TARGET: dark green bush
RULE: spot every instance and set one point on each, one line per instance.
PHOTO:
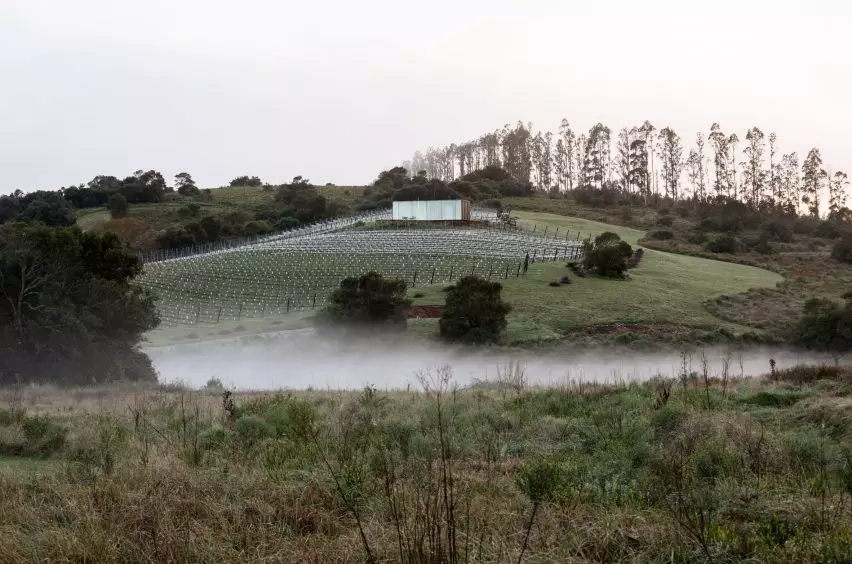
(778, 231)
(842, 250)
(474, 312)
(662, 235)
(252, 429)
(368, 300)
(44, 437)
(724, 244)
(608, 255)
(665, 221)
(825, 325)
(118, 206)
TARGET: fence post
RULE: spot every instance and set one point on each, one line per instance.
(507, 272)
(219, 315)
(314, 304)
(432, 280)
(450, 279)
(288, 304)
(545, 232)
(414, 281)
(198, 313)
(535, 252)
(240, 313)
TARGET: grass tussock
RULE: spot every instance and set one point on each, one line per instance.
(695, 468)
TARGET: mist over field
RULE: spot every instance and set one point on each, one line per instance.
(301, 359)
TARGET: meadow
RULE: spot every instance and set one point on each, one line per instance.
(693, 467)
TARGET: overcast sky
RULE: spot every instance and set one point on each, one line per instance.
(339, 90)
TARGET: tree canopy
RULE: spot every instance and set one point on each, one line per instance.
(69, 313)
(474, 312)
(369, 300)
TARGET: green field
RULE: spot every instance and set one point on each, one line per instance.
(665, 289)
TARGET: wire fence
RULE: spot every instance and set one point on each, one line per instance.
(298, 270)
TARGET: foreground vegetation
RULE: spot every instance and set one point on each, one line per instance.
(696, 468)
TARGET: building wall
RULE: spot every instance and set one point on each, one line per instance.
(432, 210)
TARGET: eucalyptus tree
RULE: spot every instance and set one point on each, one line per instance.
(837, 187)
(732, 183)
(719, 143)
(790, 185)
(813, 179)
(774, 170)
(671, 153)
(622, 159)
(647, 130)
(596, 155)
(753, 174)
(560, 165)
(569, 143)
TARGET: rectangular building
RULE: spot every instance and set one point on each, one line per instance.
(432, 210)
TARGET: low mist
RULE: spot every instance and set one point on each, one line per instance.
(301, 359)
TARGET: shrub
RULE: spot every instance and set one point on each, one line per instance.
(253, 228)
(190, 210)
(723, 244)
(252, 429)
(825, 325)
(118, 206)
(608, 255)
(214, 384)
(697, 238)
(842, 250)
(246, 181)
(662, 235)
(555, 284)
(827, 230)
(44, 437)
(778, 231)
(665, 221)
(564, 280)
(369, 300)
(474, 312)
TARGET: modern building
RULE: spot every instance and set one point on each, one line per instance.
(432, 210)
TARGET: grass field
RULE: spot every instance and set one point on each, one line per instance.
(681, 470)
(665, 289)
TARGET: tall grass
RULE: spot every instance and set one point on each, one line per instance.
(711, 469)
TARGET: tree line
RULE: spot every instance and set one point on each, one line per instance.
(651, 164)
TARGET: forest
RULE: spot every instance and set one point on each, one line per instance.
(652, 164)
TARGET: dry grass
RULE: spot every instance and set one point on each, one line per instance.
(165, 475)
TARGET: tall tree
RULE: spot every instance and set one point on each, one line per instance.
(647, 130)
(701, 188)
(719, 143)
(753, 173)
(774, 170)
(596, 158)
(671, 153)
(732, 163)
(560, 162)
(569, 141)
(622, 149)
(837, 187)
(790, 191)
(813, 177)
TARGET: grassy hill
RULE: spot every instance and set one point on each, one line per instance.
(666, 289)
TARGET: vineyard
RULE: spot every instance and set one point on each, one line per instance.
(299, 269)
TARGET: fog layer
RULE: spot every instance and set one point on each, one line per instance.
(300, 360)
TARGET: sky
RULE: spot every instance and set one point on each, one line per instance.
(336, 91)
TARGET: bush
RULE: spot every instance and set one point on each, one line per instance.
(697, 238)
(665, 221)
(190, 210)
(662, 235)
(842, 250)
(368, 300)
(827, 230)
(608, 255)
(825, 325)
(474, 312)
(555, 284)
(252, 429)
(724, 244)
(246, 181)
(778, 231)
(564, 280)
(44, 437)
(118, 206)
